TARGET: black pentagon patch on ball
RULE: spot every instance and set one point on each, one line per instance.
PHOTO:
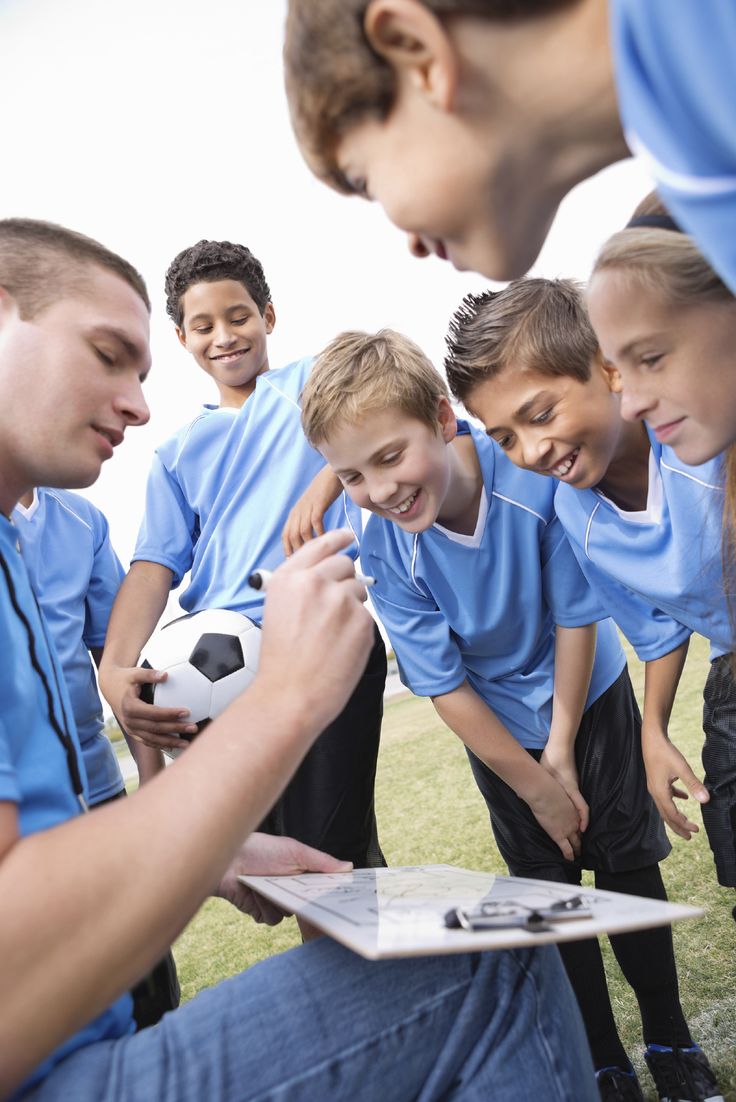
(216, 655)
(147, 688)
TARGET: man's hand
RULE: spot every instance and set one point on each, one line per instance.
(665, 765)
(269, 855)
(317, 633)
(560, 763)
(556, 814)
(305, 521)
(156, 727)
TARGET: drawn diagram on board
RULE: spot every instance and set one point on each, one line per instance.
(425, 909)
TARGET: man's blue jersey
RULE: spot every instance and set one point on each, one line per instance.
(484, 607)
(34, 767)
(674, 63)
(221, 489)
(656, 572)
(75, 575)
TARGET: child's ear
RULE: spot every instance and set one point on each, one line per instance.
(415, 43)
(269, 316)
(610, 373)
(182, 336)
(447, 420)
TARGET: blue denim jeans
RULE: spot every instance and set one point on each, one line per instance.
(319, 1023)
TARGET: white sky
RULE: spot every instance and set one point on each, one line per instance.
(149, 124)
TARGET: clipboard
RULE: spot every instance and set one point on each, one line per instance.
(401, 912)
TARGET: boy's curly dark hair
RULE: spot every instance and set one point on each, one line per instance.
(208, 262)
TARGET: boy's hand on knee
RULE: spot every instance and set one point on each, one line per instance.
(665, 765)
(561, 765)
(556, 814)
(156, 727)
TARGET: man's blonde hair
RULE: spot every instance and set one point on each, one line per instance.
(360, 373)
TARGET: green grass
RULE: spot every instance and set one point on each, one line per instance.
(429, 810)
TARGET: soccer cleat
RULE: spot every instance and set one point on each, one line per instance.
(682, 1074)
(617, 1085)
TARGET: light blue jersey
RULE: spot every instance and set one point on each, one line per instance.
(656, 572)
(75, 575)
(220, 491)
(674, 62)
(34, 765)
(484, 607)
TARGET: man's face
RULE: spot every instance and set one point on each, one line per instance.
(675, 362)
(70, 384)
(553, 425)
(394, 465)
(226, 333)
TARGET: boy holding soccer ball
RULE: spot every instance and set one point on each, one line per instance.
(220, 493)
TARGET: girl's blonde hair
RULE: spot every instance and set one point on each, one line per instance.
(664, 261)
(667, 261)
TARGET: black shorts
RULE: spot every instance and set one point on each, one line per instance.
(625, 830)
(329, 802)
(719, 762)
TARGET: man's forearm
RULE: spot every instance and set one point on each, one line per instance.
(82, 931)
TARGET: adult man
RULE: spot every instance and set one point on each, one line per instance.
(90, 902)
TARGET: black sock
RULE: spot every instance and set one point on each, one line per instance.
(647, 960)
(584, 966)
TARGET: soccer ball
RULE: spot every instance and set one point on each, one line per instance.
(210, 657)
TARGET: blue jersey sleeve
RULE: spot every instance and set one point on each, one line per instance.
(107, 574)
(429, 660)
(170, 527)
(569, 596)
(651, 632)
(674, 71)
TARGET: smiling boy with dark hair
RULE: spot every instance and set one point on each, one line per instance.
(220, 492)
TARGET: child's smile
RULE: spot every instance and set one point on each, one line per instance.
(393, 465)
(226, 333)
(554, 425)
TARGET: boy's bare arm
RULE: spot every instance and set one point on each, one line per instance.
(574, 657)
(664, 763)
(75, 940)
(305, 521)
(138, 607)
(473, 721)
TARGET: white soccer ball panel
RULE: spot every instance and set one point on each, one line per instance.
(250, 640)
(185, 687)
(228, 688)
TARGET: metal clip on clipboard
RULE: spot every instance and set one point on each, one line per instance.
(504, 915)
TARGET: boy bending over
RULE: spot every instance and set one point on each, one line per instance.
(644, 527)
(482, 597)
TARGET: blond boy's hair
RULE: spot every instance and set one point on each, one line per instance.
(335, 80)
(361, 373)
(664, 261)
(538, 325)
